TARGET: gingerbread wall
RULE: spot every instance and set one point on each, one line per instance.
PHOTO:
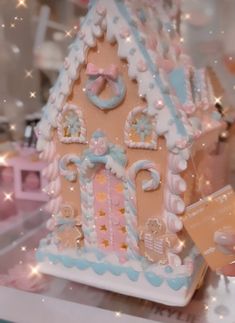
(112, 123)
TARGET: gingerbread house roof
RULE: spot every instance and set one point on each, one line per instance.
(147, 39)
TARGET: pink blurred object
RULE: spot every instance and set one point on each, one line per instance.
(28, 180)
(7, 175)
(31, 182)
(25, 276)
(7, 206)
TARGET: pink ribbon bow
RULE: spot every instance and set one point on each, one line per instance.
(101, 76)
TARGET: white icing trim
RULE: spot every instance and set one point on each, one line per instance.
(133, 144)
(82, 138)
(131, 203)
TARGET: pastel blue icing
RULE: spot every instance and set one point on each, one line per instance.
(177, 80)
(153, 279)
(115, 270)
(117, 153)
(216, 116)
(177, 283)
(39, 256)
(174, 283)
(166, 97)
(107, 104)
(168, 270)
(99, 268)
(142, 15)
(53, 258)
(82, 264)
(132, 274)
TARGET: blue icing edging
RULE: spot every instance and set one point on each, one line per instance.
(168, 270)
(39, 256)
(82, 264)
(53, 258)
(177, 80)
(177, 283)
(153, 279)
(132, 274)
(99, 268)
(107, 104)
(115, 270)
(167, 100)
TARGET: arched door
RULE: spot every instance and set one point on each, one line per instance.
(109, 211)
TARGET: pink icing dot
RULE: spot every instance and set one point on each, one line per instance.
(152, 43)
(66, 63)
(181, 143)
(101, 10)
(124, 33)
(141, 66)
(189, 108)
(166, 64)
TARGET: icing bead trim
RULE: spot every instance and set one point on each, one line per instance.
(146, 130)
(71, 122)
(173, 280)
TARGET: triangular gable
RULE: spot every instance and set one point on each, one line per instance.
(114, 19)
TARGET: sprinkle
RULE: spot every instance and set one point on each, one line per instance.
(141, 66)
(124, 33)
(101, 10)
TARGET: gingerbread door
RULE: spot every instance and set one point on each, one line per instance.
(109, 211)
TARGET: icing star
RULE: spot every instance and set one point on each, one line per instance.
(102, 213)
(101, 179)
(101, 196)
(124, 246)
(105, 243)
(123, 229)
(103, 228)
(122, 210)
(119, 188)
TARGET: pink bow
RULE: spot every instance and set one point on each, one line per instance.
(101, 76)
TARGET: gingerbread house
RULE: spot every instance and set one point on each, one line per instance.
(127, 133)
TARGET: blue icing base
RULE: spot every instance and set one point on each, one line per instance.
(100, 268)
(178, 283)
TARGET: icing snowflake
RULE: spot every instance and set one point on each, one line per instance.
(72, 125)
(143, 127)
(140, 129)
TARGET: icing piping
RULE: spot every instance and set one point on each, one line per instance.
(156, 280)
(80, 125)
(134, 144)
(167, 100)
(131, 202)
(106, 104)
(95, 84)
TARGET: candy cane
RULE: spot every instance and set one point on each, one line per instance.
(70, 175)
(87, 198)
(131, 203)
